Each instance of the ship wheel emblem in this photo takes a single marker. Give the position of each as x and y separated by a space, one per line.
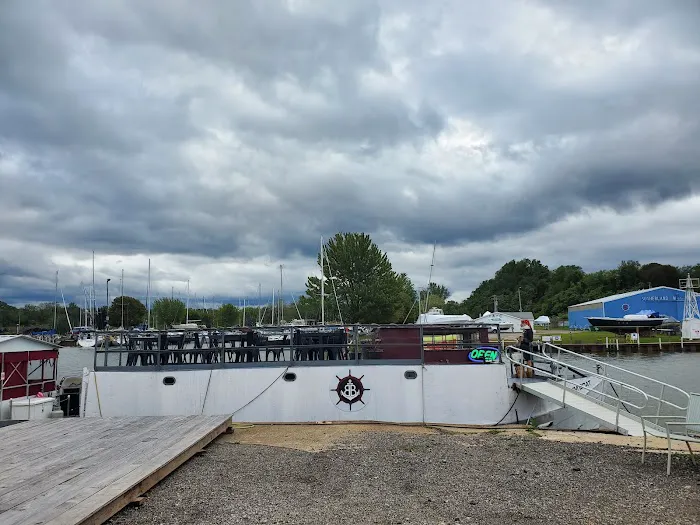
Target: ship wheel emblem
350 389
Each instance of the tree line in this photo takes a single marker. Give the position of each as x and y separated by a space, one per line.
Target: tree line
551 292
361 286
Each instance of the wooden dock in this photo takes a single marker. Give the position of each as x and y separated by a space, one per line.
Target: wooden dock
84 470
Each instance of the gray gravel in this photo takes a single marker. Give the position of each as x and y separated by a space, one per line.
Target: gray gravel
387 477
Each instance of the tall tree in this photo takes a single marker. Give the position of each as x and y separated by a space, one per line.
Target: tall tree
531 276
229 315
134 312
628 278
436 294
655 274
405 300
168 311
360 277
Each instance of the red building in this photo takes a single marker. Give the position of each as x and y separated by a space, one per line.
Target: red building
27 368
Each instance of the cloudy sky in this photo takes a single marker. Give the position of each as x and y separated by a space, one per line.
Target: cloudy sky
223 138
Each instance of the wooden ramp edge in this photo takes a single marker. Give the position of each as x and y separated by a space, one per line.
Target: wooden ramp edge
147 482
80 471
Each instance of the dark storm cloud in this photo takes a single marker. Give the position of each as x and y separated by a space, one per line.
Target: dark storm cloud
252 127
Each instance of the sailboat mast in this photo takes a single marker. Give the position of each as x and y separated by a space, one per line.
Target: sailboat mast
430 279
272 309
93 306
122 292
65 309
281 297
187 306
148 296
55 303
323 309
259 304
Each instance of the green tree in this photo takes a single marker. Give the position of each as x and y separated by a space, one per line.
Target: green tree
405 300
436 294
531 276
655 274
166 312
134 312
229 315
9 317
628 277
360 276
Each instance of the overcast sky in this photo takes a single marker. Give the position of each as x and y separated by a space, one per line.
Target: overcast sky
223 138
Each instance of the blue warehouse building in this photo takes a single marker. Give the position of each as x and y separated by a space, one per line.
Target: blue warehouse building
663 299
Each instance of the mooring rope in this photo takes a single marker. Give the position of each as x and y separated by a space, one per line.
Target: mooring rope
261 393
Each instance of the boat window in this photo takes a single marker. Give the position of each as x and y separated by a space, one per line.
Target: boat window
170 380
290 376
410 374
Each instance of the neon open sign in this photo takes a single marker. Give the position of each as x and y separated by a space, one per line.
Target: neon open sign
484 354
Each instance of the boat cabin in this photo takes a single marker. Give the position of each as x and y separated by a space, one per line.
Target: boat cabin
27 368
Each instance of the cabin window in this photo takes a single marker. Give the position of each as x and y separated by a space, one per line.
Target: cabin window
410 374
290 376
170 380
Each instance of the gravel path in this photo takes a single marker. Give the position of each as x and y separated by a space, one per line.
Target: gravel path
399 477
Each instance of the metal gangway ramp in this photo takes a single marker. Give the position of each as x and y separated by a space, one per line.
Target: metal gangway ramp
613 401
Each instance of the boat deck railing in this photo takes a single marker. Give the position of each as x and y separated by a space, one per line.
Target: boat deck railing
669 399
297 345
624 397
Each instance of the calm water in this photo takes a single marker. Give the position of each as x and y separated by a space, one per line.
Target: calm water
675 368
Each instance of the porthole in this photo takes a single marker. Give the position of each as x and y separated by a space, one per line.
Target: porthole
170 380
410 374
290 376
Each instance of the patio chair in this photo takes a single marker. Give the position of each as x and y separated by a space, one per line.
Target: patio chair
677 428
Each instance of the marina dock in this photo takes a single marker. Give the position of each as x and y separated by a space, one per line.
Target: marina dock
84 470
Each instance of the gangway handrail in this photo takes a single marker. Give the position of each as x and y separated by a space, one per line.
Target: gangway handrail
588 373
608 365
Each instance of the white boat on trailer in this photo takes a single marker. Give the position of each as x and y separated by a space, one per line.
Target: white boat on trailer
395 374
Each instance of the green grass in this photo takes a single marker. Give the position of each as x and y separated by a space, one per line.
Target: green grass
598 337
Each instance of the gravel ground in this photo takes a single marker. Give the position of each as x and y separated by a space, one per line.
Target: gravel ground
399 477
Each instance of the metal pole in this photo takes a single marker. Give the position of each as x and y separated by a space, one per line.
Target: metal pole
323 310
55 303
520 302
148 296
422 347
93 306
281 297
122 293
123 324
661 396
107 315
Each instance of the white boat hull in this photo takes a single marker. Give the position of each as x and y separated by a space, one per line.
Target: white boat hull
443 394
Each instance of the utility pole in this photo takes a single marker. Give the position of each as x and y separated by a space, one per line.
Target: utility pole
520 301
495 303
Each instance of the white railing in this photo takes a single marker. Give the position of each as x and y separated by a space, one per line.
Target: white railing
664 388
556 376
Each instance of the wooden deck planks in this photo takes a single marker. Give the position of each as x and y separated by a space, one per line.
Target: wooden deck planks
84 470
